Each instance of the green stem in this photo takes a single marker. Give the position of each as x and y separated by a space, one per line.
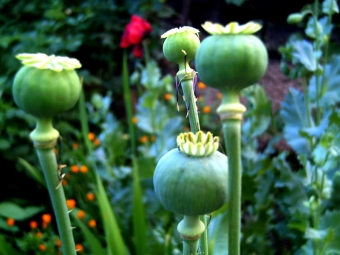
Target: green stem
190 100
128 102
44 138
190 228
186 77
232 133
231 112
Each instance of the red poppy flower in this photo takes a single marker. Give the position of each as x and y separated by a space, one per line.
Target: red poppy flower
134 33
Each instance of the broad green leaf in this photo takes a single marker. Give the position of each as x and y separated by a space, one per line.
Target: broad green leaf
317 131
331 220
326 87
330 7
295 117
12 210
91 239
303 53
218 234
6 247
317 234
138 213
326 154
293 182
314 28
150 76
259 108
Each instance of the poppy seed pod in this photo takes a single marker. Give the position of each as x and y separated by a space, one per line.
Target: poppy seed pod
192 180
47 89
180 44
231 58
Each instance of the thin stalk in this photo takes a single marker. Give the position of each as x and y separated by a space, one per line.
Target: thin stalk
232 135
190 229
190 100
128 102
187 85
190 247
49 165
318 48
231 112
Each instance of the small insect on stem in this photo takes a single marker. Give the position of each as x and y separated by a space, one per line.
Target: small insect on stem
60 166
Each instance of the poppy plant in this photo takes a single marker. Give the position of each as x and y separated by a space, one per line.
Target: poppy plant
134 33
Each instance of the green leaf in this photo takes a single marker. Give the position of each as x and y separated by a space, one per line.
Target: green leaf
138 213
329 85
93 242
331 221
218 234
259 108
12 210
7 247
150 75
294 114
114 239
314 28
35 173
293 182
303 53
312 233
330 7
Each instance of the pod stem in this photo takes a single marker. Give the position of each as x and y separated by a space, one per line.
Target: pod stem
231 112
45 138
190 228
187 80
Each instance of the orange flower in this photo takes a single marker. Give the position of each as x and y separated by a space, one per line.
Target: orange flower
167 96
74 169
92 223
134 120
46 218
42 247
144 139
33 224
96 142
206 109
201 85
71 203
219 95
39 235
64 182
153 138
58 243
10 222
75 146
90 196
84 169
80 214
79 248
91 136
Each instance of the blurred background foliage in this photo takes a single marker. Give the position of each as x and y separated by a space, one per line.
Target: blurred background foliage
280 188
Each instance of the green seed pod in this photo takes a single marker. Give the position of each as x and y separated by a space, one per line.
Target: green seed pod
295 18
180 43
46 86
192 180
231 58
